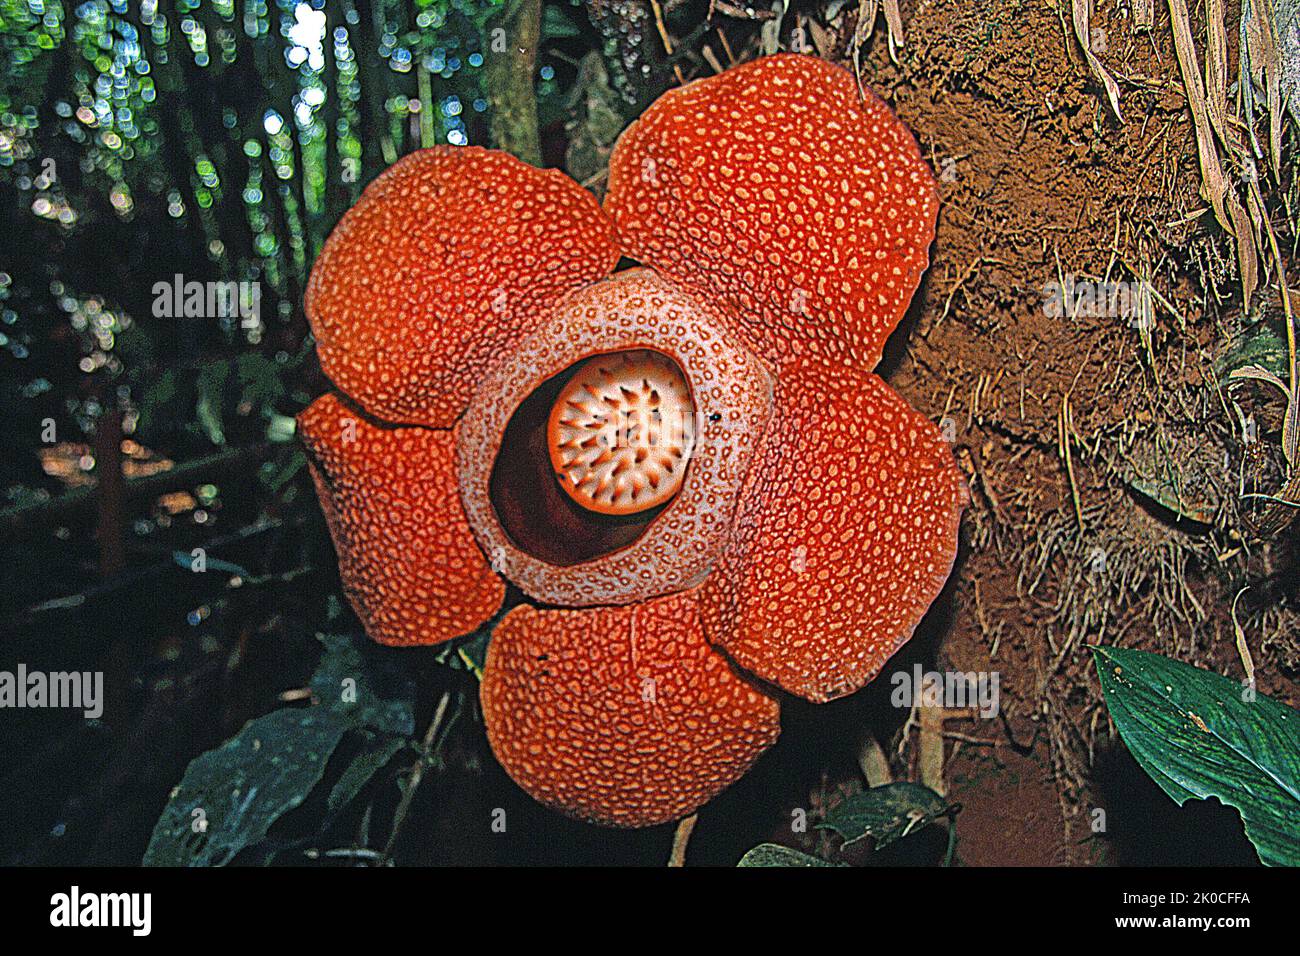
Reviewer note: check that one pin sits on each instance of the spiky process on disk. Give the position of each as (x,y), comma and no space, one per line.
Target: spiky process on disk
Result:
(622,431)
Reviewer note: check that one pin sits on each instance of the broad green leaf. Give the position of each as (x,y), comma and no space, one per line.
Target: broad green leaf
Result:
(1200,735)
(230,797)
(772,854)
(888,813)
(1260,346)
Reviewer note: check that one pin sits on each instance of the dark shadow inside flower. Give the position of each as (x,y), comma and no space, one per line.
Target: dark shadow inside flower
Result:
(567,490)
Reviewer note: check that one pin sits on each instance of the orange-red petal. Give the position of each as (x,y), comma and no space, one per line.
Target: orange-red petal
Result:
(804,207)
(408,562)
(622,716)
(449,258)
(847,532)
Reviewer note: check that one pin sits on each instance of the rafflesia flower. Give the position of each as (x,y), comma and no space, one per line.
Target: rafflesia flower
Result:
(687,466)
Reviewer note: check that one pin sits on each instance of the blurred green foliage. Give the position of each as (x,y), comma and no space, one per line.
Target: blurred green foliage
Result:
(204,140)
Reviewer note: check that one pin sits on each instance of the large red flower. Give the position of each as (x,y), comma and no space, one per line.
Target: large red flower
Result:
(689,465)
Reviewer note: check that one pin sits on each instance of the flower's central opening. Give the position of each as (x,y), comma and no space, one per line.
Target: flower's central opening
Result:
(593,456)
(621,432)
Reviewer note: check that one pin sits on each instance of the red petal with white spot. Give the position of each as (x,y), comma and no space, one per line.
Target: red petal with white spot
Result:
(802,205)
(449,259)
(623,716)
(408,562)
(846,534)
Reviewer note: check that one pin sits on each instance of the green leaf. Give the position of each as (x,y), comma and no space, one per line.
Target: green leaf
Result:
(156,405)
(1291,420)
(595,120)
(1258,346)
(772,854)
(473,653)
(211,387)
(1179,472)
(556,24)
(372,758)
(280,428)
(260,378)
(888,813)
(470,654)
(230,797)
(1260,374)
(343,684)
(1200,735)
(184,559)
(275,476)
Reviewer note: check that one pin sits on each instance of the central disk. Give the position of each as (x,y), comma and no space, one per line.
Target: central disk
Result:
(622,431)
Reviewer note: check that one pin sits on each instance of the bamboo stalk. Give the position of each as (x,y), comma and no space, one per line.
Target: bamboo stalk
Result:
(508,79)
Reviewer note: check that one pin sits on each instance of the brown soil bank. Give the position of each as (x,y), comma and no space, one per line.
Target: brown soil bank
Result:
(1101,440)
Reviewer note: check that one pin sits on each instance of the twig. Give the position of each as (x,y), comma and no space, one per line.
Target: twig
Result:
(667,40)
(712,59)
(66,506)
(110,517)
(873,763)
(968,739)
(726,47)
(930,747)
(348,853)
(1243,649)
(682,837)
(737,12)
(961,281)
(143,576)
(417,774)
(1065,429)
